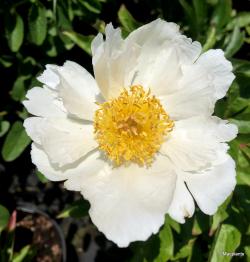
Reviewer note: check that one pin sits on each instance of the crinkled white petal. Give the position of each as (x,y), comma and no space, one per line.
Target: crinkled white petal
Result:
(157,70)
(129,203)
(91,164)
(66,141)
(97,47)
(156,52)
(163,49)
(43,102)
(33,126)
(113,62)
(40,160)
(49,77)
(211,188)
(78,90)
(182,204)
(219,71)
(201,85)
(197,143)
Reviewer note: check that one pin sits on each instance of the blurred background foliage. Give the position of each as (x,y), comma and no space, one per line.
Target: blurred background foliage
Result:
(34,33)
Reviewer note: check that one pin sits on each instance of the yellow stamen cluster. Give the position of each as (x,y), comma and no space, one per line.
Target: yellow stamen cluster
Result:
(132,127)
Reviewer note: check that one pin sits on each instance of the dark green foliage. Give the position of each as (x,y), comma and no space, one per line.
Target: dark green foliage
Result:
(15,142)
(76,209)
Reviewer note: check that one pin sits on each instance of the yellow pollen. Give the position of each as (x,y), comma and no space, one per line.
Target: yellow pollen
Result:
(132,126)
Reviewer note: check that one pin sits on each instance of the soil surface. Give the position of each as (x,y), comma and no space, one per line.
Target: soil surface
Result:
(43,235)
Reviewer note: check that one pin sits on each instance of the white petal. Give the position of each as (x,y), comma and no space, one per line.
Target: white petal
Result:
(155,51)
(43,102)
(182,204)
(97,47)
(211,188)
(78,90)
(32,126)
(49,77)
(219,70)
(161,34)
(197,143)
(223,130)
(162,52)
(129,203)
(158,70)
(66,141)
(110,62)
(41,161)
(89,165)
(154,33)
(201,85)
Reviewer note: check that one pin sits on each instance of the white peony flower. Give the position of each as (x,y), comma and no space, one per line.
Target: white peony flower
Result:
(138,140)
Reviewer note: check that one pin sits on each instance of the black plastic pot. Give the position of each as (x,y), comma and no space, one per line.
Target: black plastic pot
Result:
(30,209)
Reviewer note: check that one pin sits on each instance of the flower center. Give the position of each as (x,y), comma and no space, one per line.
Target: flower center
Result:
(132,126)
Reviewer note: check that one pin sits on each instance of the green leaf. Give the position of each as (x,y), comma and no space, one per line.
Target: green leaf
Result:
(235,43)
(243,126)
(234,92)
(191,17)
(84,42)
(187,8)
(63,24)
(77,209)
(127,20)
(241,66)
(196,230)
(63,21)
(19,257)
(243,177)
(18,91)
(23,114)
(6,61)
(242,160)
(185,251)
(4,217)
(91,5)
(174,225)
(227,240)
(245,148)
(15,142)
(222,13)
(27,253)
(212,2)
(219,216)
(243,139)
(211,39)
(14,31)
(238,105)
(234,149)
(200,9)
(247,252)
(166,250)
(52,49)
(220,108)
(71,10)
(4,127)
(37,23)
(41,177)
(241,20)
(200,224)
